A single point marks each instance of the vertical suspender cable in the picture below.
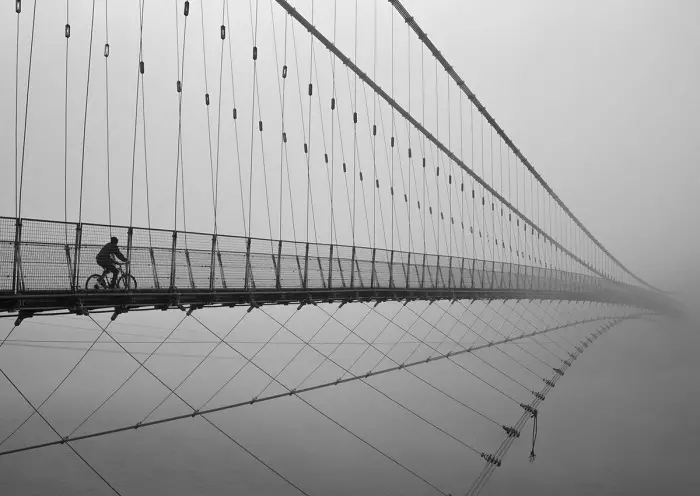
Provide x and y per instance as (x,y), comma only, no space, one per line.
(26,104)
(87,94)
(235,120)
(139,74)
(393,127)
(308,154)
(374,133)
(252,113)
(65,130)
(206,101)
(106,55)
(354,132)
(335,27)
(408,129)
(18,11)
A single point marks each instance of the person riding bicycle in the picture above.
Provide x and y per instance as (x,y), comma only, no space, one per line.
(104,259)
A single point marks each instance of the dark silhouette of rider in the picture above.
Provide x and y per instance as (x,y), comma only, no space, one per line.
(105,260)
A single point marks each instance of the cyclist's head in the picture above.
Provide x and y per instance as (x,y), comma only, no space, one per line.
(114,240)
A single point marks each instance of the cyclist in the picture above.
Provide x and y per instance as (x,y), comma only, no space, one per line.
(105,259)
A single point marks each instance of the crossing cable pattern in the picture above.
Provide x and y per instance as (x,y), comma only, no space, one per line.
(352,378)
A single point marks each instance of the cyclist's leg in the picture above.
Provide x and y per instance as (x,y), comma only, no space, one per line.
(105,270)
(115,273)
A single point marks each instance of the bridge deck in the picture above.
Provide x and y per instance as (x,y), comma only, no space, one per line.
(44,266)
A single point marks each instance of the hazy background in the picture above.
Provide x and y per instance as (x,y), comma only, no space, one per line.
(602,99)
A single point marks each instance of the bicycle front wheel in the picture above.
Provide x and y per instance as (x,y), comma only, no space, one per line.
(127,282)
(95,283)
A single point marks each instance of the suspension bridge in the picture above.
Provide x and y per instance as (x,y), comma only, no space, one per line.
(315,159)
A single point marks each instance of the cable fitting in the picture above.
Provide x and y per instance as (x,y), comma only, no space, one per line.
(549,383)
(491,459)
(529,409)
(187,8)
(67,31)
(511,431)
(539,396)
(558,371)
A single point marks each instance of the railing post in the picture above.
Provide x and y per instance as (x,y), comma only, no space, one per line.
(212,263)
(306,266)
(408,271)
(391,270)
(473,272)
(76,266)
(372,272)
(461,275)
(278,282)
(330,267)
(156,282)
(221,269)
(437,271)
(69,265)
(352,268)
(129,241)
(422,278)
(172,261)
(247,266)
(16,263)
(449,277)
(189,267)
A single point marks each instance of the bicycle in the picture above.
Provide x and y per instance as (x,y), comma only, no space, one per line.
(99,282)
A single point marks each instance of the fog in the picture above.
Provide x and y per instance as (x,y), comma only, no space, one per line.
(602,99)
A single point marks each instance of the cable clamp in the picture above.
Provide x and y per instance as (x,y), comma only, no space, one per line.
(491,459)
(558,371)
(529,409)
(539,396)
(195,413)
(511,431)
(549,383)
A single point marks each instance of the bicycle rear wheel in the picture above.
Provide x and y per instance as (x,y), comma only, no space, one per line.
(95,283)
(126,281)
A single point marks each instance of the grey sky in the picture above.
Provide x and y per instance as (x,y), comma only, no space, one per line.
(600,96)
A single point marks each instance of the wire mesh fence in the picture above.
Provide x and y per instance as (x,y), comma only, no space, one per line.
(38,255)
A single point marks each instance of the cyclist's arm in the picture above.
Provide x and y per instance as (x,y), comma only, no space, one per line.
(120,256)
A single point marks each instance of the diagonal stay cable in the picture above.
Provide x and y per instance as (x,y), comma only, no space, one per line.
(199,364)
(362,379)
(119,388)
(203,416)
(247,360)
(293,392)
(462,366)
(70,439)
(402,365)
(65,378)
(488,324)
(57,434)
